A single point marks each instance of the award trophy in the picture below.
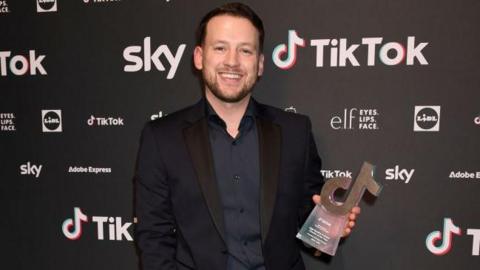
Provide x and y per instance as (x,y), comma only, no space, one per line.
(325,225)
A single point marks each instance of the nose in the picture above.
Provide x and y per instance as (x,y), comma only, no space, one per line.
(231,58)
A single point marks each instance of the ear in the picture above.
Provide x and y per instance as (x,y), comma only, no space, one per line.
(260,64)
(198,57)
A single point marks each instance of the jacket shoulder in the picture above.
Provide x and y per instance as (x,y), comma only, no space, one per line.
(173,120)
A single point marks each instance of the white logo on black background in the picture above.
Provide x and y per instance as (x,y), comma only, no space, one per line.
(136,63)
(52,120)
(354,118)
(160,114)
(335,173)
(114,227)
(464,175)
(290,109)
(341,52)
(89,169)
(427,118)
(46,5)
(105,121)
(20,65)
(477,120)
(4,7)
(30,169)
(7,122)
(441,242)
(399,174)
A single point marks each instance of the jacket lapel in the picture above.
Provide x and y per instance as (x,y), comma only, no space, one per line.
(269,135)
(198,143)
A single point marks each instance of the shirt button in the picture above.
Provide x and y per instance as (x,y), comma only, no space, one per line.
(241,210)
(244,243)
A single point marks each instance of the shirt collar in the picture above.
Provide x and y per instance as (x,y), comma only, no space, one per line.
(251,109)
(250,113)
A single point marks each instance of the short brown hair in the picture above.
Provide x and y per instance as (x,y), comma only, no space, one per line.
(236,10)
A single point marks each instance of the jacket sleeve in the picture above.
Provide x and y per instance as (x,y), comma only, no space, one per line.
(155,229)
(313,179)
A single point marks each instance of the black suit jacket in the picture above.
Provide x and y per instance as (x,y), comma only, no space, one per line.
(180,216)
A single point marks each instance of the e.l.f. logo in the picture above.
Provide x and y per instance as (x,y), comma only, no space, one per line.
(72,228)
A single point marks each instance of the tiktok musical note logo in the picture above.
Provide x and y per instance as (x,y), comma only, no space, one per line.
(446,239)
(72,228)
(280,50)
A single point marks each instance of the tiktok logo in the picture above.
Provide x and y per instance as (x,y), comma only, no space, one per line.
(446,245)
(280,50)
(75,232)
(115,228)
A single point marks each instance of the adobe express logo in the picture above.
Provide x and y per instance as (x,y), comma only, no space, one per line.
(113,226)
(46,5)
(427,118)
(440,243)
(51,120)
(342,53)
(464,175)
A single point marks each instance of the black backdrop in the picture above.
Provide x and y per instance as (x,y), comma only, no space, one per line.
(418,122)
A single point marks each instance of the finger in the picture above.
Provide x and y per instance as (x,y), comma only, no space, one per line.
(317,253)
(352,217)
(356,210)
(351,224)
(346,232)
(316,199)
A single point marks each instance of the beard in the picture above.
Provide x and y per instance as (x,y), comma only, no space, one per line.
(211,82)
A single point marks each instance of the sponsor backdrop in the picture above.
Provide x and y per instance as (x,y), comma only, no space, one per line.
(395,83)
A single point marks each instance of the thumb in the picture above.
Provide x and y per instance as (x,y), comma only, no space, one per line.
(316,199)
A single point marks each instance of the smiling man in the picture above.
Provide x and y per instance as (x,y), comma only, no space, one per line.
(227,182)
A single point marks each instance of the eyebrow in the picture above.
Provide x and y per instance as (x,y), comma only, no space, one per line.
(241,44)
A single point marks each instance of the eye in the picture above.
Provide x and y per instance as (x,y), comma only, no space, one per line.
(219,49)
(246,51)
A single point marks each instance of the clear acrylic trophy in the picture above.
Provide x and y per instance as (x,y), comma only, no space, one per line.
(326,223)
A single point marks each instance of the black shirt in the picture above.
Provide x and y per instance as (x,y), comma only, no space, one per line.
(236,162)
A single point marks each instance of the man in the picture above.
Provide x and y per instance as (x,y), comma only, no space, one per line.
(226,183)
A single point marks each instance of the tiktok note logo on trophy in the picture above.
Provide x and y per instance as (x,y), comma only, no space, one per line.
(325,225)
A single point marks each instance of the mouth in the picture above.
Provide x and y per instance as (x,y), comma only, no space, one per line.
(230,76)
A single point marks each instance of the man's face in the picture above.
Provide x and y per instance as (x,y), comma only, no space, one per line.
(229,58)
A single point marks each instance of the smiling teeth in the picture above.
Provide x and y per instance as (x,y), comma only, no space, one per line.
(231,75)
